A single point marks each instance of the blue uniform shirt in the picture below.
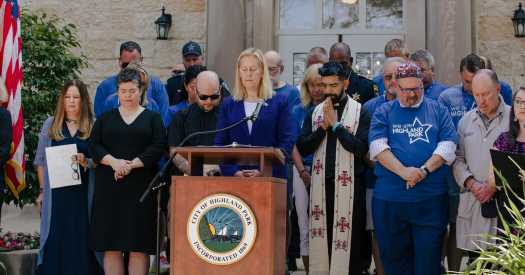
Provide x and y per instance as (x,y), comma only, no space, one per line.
(371,106)
(434,90)
(378,80)
(506,92)
(299,113)
(156,92)
(413,135)
(291,93)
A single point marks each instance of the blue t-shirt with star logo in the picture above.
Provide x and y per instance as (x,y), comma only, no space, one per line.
(413,135)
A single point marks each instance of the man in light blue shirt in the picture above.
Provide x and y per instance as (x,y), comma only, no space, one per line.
(425,61)
(130,52)
(393,48)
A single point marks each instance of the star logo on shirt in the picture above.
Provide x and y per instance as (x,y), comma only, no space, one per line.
(419,131)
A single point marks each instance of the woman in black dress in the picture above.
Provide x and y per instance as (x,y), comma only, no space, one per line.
(64,223)
(126,142)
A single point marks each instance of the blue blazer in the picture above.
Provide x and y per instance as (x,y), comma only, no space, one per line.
(273,128)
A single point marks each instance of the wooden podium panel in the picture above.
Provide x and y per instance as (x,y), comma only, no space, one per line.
(265,196)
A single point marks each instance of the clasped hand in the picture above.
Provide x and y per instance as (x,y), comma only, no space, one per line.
(412,176)
(329,114)
(121,168)
(482,190)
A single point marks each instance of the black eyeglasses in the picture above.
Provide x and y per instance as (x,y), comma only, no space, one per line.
(212,97)
(74,167)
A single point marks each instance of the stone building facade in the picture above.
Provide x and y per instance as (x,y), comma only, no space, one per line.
(104,24)
(449,29)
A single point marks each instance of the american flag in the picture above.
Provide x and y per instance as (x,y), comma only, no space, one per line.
(11,75)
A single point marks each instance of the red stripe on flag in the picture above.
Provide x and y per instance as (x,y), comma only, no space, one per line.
(13,76)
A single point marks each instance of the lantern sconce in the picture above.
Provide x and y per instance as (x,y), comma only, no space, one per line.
(163,25)
(518,21)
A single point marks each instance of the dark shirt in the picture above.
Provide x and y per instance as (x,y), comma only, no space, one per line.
(190,120)
(309,141)
(177,92)
(361,89)
(6,136)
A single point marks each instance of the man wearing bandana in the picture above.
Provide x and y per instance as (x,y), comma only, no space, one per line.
(336,132)
(411,138)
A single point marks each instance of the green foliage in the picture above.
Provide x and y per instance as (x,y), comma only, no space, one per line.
(505,254)
(49,60)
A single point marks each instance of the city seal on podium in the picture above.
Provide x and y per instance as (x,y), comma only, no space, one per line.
(221,229)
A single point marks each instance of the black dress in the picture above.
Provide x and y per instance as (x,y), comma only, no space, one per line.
(119,221)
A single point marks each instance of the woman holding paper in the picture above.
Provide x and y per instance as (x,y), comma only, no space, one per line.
(64,205)
(126,142)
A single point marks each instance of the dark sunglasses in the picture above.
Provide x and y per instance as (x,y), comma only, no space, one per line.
(212,97)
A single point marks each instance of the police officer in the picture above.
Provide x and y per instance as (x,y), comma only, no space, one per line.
(361,89)
(191,55)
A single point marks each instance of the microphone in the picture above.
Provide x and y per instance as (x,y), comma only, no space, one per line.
(162,171)
(255,114)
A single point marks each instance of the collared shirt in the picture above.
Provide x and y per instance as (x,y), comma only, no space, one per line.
(476,137)
(156,91)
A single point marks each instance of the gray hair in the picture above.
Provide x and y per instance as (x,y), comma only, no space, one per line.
(425,56)
(394,44)
(395,59)
(490,73)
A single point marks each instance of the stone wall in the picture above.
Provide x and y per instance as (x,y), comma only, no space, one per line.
(494,38)
(104,24)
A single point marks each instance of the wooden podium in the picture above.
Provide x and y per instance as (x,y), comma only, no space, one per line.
(265,196)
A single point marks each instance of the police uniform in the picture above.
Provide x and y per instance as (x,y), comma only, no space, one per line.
(361,89)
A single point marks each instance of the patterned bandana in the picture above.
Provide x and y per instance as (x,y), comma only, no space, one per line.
(408,70)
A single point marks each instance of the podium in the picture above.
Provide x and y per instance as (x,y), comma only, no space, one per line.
(228,225)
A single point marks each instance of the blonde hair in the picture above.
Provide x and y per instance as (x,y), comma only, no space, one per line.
(265,86)
(86,116)
(310,74)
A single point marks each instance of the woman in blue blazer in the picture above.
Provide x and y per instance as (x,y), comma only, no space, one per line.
(274,126)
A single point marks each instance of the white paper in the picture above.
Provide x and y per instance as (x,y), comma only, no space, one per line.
(61,169)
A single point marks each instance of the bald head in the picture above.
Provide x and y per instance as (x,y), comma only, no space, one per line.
(339,52)
(275,66)
(208,90)
(207,80)
(316,57)
(272,56)
(486,89)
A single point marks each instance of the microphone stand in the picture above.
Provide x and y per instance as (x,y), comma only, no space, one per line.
(159,180)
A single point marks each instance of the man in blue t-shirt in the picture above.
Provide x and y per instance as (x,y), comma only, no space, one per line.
(425,61)
(371,106)
(130,52)
(411,139)
(276,68)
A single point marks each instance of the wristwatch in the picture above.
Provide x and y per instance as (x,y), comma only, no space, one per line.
(425,170)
